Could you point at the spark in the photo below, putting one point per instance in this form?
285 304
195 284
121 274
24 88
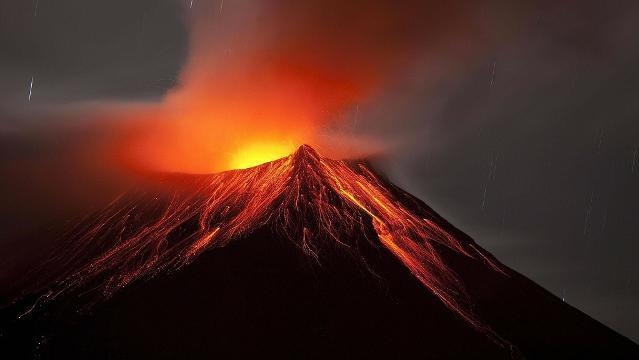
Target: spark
191 4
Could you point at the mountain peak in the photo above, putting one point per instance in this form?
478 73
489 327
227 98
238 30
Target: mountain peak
316 203
340 214
305 153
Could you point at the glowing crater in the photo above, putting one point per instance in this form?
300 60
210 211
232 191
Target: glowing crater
259 153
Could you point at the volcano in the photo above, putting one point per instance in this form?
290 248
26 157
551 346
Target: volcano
300 257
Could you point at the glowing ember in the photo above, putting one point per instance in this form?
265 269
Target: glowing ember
305 198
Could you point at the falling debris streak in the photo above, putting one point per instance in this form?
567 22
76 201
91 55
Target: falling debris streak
483 198
635 161
306 198
492 171
221 5
492 74
30 89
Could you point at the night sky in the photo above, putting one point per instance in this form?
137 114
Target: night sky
516 121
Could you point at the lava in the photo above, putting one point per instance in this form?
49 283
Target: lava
305 198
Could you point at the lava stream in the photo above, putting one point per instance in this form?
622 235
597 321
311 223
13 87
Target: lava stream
304 197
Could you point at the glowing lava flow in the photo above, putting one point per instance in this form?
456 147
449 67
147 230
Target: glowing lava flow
305 198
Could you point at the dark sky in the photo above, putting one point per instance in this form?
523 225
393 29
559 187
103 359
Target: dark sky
522 129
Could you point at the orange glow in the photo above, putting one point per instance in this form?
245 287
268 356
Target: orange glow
213 134
232 123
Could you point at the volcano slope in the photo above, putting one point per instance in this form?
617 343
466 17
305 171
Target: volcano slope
301 257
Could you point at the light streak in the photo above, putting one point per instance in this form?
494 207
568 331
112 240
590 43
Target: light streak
30 89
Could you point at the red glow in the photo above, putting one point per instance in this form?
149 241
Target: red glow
201 127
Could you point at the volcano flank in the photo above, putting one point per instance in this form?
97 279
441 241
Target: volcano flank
300 257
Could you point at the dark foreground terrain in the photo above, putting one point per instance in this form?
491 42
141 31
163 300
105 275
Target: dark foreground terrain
259 297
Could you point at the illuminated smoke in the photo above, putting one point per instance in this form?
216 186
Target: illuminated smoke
283 73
